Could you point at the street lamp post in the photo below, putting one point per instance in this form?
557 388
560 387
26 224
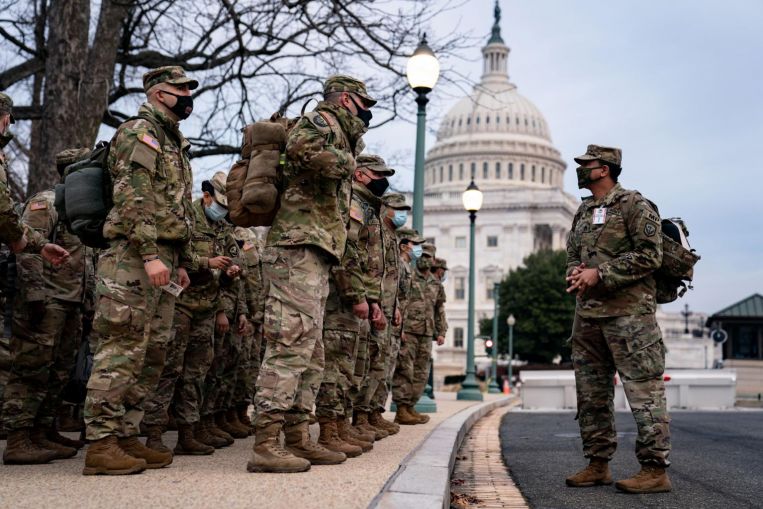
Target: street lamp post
510 321
423 70
470 390
493 388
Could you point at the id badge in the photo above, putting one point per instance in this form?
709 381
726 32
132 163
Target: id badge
172 288
599 215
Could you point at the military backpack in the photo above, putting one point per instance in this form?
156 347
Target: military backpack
84 197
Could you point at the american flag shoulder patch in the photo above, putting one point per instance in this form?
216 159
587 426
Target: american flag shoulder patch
39 205
150 141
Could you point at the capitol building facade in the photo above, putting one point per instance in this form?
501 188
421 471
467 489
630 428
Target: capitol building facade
501 140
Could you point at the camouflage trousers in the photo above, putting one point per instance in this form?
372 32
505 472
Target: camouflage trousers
134 324
379 400
43 350
378 360
5 369
292 365
334 395
632 346
248 367
189 357
221 376
412 369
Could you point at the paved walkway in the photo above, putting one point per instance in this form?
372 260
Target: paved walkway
220 480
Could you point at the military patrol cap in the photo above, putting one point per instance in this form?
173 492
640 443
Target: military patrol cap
71 156
6 106
429 249
410 235
374 163
218 181
342 83
440 263
172 74
604 154
395 201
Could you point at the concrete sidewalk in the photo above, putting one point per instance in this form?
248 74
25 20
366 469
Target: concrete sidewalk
220 480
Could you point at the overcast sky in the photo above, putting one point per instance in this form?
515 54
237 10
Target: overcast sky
675 84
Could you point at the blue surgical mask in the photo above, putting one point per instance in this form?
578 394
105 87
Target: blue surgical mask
215 212
416 251
400 217
444 277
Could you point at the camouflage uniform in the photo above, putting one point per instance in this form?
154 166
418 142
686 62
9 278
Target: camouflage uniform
412 369
151 217
47 318
615 326
190 352
438 293
308 235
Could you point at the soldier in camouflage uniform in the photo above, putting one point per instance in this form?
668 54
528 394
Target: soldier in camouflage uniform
149 229
439 267
47 327
355 288
190 352
308 235
412 369
613 248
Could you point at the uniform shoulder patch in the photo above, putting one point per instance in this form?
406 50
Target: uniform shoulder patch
150 141
39 205
356 212
318 121
650 229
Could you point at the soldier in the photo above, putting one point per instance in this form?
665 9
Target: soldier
439 268
416 334
190 353
374 392
308 235
149 229
613 249
47 329
12 232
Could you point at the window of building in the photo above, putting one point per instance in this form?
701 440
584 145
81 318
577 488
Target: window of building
460 171
489 293
511 171
478 120
458 337
497 170
497 119
492 241
543 174
460 288
450 172
474 169
522 171
460 242
468 120
526 123
487 119
460 121
533 173
485 170
441 173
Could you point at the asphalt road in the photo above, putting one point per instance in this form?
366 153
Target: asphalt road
716 462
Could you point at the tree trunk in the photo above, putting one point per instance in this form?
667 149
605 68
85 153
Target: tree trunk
68 22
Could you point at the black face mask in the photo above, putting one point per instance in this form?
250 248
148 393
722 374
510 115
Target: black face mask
364 115
183 106
378 186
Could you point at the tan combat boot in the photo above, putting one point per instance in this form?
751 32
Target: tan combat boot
330 439
269 456
188 445
231 416
377 421
221 420
596 473
53 435
243 416
202 434
154 440
423 419
37 436
361 421
299 444
20 450
214 429
358 433
343 428
154 459
105 457
404 416
651 479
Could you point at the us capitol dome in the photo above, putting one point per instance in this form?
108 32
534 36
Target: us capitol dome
501 139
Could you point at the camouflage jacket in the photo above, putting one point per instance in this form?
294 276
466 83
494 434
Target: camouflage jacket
208 286
252 273
626 248
152 183
315 202
37 278
370 246
391 279
11 228
438 294
419 311
403 290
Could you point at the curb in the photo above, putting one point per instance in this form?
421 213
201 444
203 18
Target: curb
423 479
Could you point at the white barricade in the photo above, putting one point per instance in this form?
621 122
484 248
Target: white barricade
685 388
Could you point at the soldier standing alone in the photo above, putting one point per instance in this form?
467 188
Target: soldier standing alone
613 249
